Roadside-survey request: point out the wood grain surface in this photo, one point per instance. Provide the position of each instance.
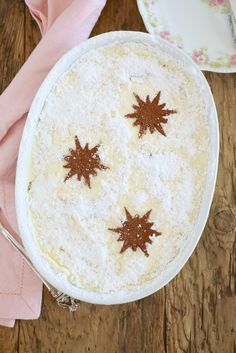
(195, 312)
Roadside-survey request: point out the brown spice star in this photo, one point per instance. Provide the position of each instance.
(150, 114)
(136, 232)
(83, 162)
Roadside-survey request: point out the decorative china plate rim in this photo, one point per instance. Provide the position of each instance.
(21, 197)
(203, 67)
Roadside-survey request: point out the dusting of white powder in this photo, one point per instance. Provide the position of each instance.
(166, 174)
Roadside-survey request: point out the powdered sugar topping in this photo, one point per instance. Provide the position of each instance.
(166, 174)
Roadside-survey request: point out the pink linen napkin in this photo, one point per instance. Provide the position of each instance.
(63, 24)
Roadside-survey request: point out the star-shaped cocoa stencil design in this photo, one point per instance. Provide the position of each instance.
(136, 232)
(150, 115)
(83, 162)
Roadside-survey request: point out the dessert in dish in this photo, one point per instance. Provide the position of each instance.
(118, 168)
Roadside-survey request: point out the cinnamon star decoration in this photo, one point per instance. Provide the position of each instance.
(83, 162)
(136, 232)
(150, 114)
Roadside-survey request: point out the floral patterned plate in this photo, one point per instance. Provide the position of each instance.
(200, 27)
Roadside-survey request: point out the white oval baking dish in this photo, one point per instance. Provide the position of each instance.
(24, 157)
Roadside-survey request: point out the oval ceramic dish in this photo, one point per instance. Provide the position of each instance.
(25, 153)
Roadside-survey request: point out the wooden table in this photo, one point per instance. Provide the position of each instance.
(194, 313)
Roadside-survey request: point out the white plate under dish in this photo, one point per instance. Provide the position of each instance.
(24, 158)
(199, 27)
